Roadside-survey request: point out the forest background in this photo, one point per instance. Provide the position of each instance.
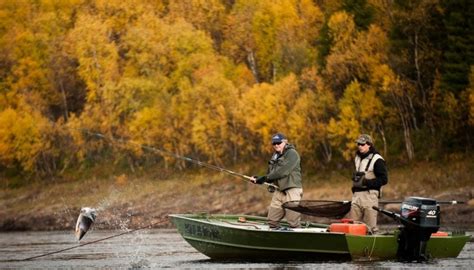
(214, 79)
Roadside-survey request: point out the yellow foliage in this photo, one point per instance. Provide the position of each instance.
(213, 97)
(359, 112)
(203, 14)
(22, 137)
(355, 54)
(342, 30)
(273, 35)
(308, 118)
(96, 54)
(265, 108)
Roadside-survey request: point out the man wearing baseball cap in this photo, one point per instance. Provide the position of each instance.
(367, 180)
(284, 170)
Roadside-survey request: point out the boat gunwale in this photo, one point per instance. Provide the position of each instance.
(235, 226)
(316, 225)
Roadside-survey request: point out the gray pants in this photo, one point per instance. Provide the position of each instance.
(361, 208)
(276, 212)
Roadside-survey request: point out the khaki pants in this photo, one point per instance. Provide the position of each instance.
(361, 208)
(276, 212)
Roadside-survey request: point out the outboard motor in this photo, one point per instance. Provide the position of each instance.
(420, 218)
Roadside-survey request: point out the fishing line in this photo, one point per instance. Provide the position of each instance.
(92, 242)
(271, 187)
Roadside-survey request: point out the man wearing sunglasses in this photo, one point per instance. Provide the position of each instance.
(367, 180)
(284, 170)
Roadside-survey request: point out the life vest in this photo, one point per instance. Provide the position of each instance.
(366, 166)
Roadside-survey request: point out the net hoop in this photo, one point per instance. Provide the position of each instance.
(320, 208)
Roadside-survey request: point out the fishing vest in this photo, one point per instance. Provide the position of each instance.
(366, 165)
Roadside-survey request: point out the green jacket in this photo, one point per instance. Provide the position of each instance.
(284, 169)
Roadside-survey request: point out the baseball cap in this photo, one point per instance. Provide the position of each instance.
(365, 138)
(278, 138)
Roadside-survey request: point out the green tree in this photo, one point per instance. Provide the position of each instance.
(363, 12)
(415, 52)
(470, 98)
(458, 54)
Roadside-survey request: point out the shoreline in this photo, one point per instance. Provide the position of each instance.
(132, 216)
(132, 202)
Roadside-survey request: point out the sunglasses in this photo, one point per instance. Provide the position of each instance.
(361, 144)
(276, 143)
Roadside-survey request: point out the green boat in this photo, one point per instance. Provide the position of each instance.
(244, 237)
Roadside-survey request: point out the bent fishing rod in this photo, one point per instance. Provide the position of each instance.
(271, 187)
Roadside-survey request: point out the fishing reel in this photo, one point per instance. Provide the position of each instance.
(271, 188)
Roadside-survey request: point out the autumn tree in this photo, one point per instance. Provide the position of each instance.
(360, 111)
(264, 108)
(205, 15)
(273, 38)
(308, 119)
(24, 144)
(31, 35)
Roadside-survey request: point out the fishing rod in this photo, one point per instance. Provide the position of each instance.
(271, 187)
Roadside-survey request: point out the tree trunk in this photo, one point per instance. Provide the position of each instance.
(63, 92)
(253, 65)
(327, 151)
(408, 143)
(404, 114)
(384, 139)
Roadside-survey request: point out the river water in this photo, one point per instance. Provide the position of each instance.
(159, 248)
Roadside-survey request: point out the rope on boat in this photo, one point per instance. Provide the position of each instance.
(373, 247)
(92, 242)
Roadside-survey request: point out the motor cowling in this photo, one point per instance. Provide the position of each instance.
(420, 217)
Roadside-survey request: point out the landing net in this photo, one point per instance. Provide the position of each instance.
(320, 208)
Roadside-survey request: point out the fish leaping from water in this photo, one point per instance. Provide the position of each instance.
(84, 221)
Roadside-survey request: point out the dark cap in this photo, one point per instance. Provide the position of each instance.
(365, 138)
(278, 138)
